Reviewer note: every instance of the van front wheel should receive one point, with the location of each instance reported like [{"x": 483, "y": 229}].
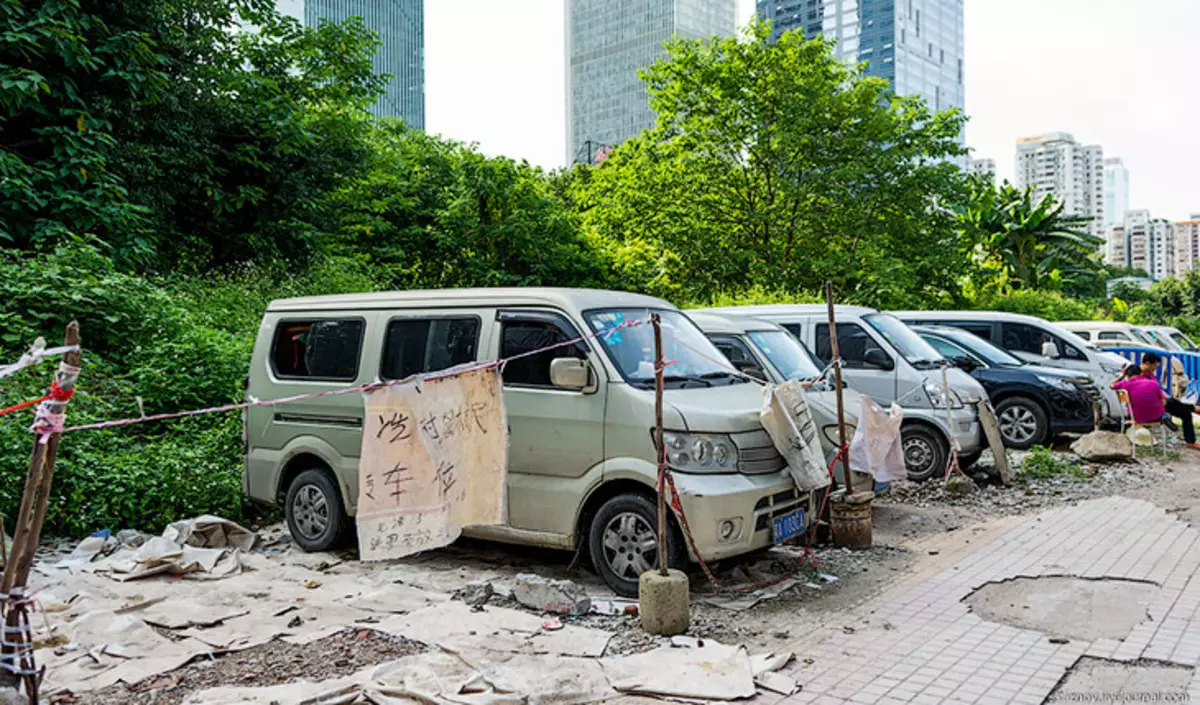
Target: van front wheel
[
  {"x": 925, "y": 452},
  {"x": 623, "y": 542},
  {"x": 315, "y": 515}
]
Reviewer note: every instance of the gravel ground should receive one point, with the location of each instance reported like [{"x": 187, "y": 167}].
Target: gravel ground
[{"x": 270, "y": 664}]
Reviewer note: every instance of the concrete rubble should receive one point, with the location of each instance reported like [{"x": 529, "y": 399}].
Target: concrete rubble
[
  {"x": 1102, "y": 446},
  {"x": 553, "y": 596}
]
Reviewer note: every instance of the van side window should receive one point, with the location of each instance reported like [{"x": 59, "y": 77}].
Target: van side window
[
  {"x": 325, "y": 349},
  {"x": 795, "y": 329},
  {"x": 981, "y": 329},
  {"x": 1028, "y": 339},
  {"x": 416, "y": 345},
  {"x": 1113, "y": 335},
  {"x": 853, "y": 344},
  {"x": 518, "y": 337}
]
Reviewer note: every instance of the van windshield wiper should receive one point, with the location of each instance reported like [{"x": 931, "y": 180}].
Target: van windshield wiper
[{"x": 648, "y": 382}]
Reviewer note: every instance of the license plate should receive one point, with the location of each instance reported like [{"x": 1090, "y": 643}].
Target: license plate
[{"x": 787, "y": 526}]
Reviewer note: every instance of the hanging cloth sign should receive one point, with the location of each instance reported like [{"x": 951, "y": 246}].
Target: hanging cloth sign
[
  {"x": 788, "y": 421},
  {"x": 434, "y": 459}
]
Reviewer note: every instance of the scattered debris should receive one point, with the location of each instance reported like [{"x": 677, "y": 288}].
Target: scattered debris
[
  {"x": 476, "y": 594},
  {"x": 709, "y": 672},
  {"x": 960, "y": 485},
  {"x": 548, "y": 595}
]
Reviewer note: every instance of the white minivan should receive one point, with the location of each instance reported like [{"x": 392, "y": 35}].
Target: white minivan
[
  {"x": 887, "y": 361},
  {"x": 1028, "y": 337}
]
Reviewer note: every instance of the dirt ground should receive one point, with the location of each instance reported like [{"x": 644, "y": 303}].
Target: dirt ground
[{"x": 914, "y": 526}]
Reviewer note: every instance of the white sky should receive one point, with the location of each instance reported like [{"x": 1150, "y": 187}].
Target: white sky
[{"x": 1124, "y": 74}]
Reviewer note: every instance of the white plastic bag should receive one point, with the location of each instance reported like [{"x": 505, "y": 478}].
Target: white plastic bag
[
  {"x": 876, "y": 447},
  {"x": 786, "y": 417}
]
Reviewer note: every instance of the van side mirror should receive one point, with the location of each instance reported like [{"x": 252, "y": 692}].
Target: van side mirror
[
  {"x": 747, "y": 367},
  {"x": 569, "y": 373},
  {"x": 878, "y": 358},
  {"x": 966, "y": 364}
]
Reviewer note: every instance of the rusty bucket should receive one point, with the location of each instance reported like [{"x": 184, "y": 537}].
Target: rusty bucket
[{"x": 850, "y": 518}]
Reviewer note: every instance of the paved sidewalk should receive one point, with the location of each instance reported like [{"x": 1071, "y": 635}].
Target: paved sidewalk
[{"x": 921, "y": 644}]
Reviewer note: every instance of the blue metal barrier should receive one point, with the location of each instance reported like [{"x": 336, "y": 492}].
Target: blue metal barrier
[{"x": 1190, "y": 361}]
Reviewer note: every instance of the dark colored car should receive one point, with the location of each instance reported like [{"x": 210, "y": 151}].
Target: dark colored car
[{"x": 1032, "y": 403}]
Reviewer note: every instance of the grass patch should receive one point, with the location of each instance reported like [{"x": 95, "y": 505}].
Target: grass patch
[
  {"x": 1159, "y": 453},
  {"x": 1044, "y": 464}
]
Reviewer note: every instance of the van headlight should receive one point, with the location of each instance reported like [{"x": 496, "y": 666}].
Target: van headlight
[
  {"x": 831, "y": 433},
  {"x": 700, "y": 453},
  {"x": 937, "y": 396},
  {"x": 1057, "y": 382}
]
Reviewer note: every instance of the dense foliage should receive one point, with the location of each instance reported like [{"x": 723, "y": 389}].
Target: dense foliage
[{"x": 163, "y": 177}]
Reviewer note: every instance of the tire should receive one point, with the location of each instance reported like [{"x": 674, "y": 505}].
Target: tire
[
  {"x": 966, "y": 460},
  {"x": 925, "y": 452},
  {"x": 1023, "y": 423},
  {"x": 316, "y": 516},
  {"x": 630, "y": 524}
]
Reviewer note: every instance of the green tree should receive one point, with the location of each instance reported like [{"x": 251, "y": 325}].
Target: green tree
[
  {"x": 774, "y": 163},
  {"x": 153, "y": 128},
  {"x": 1026, "y": 244}
]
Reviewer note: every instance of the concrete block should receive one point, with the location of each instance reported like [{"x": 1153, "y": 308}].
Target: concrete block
[{"x": 663, "y": 601}]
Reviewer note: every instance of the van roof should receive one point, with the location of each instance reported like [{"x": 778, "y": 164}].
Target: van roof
[
  {"x": 566, "y": 299},
  {"x": 780, "y": 310},
  {"x": 1097, "y": 325},
  {"x": 717, "y": 323},
  {"x": 968, "y": 316}
]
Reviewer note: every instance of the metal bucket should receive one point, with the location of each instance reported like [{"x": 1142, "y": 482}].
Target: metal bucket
[{"x": 850, "y": 518}]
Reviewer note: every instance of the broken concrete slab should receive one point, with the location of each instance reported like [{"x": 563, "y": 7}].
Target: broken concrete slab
[
  {"x": 709, "y": 672},
  {"x": 548, "y": 595},
  {"x": 459, "y": 627},
  {"x": 1066, "y": 607},
  {"x": 1102, "y": 446},
  {"x": 476, "y": 594}
]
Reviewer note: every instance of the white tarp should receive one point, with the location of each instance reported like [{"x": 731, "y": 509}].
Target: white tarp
[
  {"x": 788, "y": 421},
  {"x": 876, "y": 447},
  {"x": 434, "y": 459}
]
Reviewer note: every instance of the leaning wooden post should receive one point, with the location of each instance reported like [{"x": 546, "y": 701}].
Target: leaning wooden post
[
  {"x": 849, "y": 511},
  {"x": 662, "y": 593},
  {"x": 27, "y": 532}
]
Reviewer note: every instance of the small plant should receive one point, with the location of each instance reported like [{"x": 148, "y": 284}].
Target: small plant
[
  {"x": 1043, "y": 464},
  {"x": 1160, "y": 454}
]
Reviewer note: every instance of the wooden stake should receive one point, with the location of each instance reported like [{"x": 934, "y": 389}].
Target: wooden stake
[
  {"x": 658, "y": 437},
  {"x": 837, "y": 377},
  {"x": 28, "y": 529}
]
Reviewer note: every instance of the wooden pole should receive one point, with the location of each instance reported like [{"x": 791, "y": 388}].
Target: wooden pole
[
  {"x": 658, "y": 438},
  {"x": 28, "y": 529},
  {"x": 837, "y": 378}
]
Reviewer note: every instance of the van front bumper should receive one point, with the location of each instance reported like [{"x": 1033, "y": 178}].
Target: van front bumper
[
  {"x": 967, "y": 430},
  {"x": 749, "y": 502}
]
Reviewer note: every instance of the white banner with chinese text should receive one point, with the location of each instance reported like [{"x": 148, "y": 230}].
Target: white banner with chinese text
[{"x": 434, "y": 459}]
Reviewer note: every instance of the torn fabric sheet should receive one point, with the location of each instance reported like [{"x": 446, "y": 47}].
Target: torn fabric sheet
[
  {"x": 709, "y": 672},
  {"x": 434, "y": 459}
]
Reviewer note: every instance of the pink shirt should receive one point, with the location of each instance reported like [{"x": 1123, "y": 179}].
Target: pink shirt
[{"x": 1145, "y": 398}]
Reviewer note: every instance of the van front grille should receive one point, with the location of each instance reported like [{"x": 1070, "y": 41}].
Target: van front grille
[{"x": 756, "y": 453}]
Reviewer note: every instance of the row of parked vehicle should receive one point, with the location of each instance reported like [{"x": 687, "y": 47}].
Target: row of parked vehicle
[{"x": 582, "y": 460}]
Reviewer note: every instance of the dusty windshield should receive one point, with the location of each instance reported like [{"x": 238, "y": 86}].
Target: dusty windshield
[
  {"x": 785, "y": 353},
  {"x": 693, "y": 360},
  {"x": 911, "y": 346}
]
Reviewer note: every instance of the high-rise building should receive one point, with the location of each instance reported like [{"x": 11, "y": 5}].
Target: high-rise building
[
  {"x": 607, "y": 44},
  {"x": 1144, "y": 243},
  {"x": 917, "y": 45},
  {"x": 400, "y": 25},
  {"x": 1116, "y": 191},
  {"x": 1186, "y": 234},
  {"x": 982, "y": 167},
  {"x": 1057, "y": 165}
]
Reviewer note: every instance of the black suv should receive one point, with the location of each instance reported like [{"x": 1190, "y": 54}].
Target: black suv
[{"x": 1032, "y": 403}]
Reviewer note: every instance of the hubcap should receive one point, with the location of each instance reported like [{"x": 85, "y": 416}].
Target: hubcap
[
  {"x": 918, "y": 455},
  {"x": 630, "y": 545},
  {"x": 1018, "y": 425},
  {"x": 310, "y": 512}
]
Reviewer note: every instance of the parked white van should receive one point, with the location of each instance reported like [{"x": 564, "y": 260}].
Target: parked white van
[
  {"x": 887, "y": 361},
  {"x": 582, "y": 460},
  {"x": 1107, "y": 333},
  {"x": 1179, "y": 342},
  {"x": 1028, "y": 337}
]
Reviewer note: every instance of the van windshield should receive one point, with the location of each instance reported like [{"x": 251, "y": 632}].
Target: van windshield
[
  {"x": 911, "y": 346},
  {"x": 693, "y": 360},
  {"x": 786, "y": 353}
]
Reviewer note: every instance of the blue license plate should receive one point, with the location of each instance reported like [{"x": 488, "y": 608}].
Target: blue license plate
[{"x": 788, "y": 525}]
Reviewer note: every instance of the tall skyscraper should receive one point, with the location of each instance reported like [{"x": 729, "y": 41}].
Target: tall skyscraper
[
  {"x": 1116, "y": 191},
  {"x": 1145, "y": 243},
  {"x": 400, "y": 25},
  {"x": 1072, "y": 173},
  {"x": 915, "y": 44},
  {"x": 607, "y": 43}
]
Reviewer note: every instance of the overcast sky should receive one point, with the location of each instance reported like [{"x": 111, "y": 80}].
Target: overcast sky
[{"x": 1119, "y": 73}]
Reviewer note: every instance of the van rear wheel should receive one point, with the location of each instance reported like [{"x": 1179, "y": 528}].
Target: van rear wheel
[
  {"x": 316, "y": 517},
  {"x": 623, "y": 542}
]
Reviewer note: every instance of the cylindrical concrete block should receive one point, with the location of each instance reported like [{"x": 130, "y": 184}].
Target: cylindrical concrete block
[
  {"x": 663, "y": 602},
  {"x": 851, "y": 519}
]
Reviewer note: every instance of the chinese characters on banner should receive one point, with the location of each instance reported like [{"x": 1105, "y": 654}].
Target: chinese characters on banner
[
  {"x": 434, "y": 459},
  {"x": 788, "y": 421}
]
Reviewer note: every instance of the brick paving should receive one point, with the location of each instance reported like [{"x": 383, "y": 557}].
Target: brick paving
[{"x": 919, "y": 643}]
